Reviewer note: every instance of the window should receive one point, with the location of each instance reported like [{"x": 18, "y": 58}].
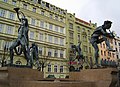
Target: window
[
  {"x": 13, "y": 2},
  {"x": 47, "y": 5},
  {"x": 61, "y": 53},
  {"x": 24, "y": 6},
  {"x": 103, "y": 45},
  {"x": 11, "y": 15},
  {"x": 1, "y": 27},
  {"x": 84, "y": 37},
  {"x": 78, "y": 37},
  {"x": 50, "y": 26},
  {"x": 85, "y": 48},
  {"x": 115, "y": 42},
  {"x": 40, "y": 50},
  {"x": 31, "y": 35},
  {"x": 42, "y": 12},
  {"x": 61, "y": 30},
  {"x": 70, "y": 34},
  {"x": 61, "y": 19},
  {"x": 43, "y": 4},
  {"x": 49, "y": 68},
  {"x": 34, "y": 9},
  {"x": 119, "y": 44},
  {"x": 56, "y": 53},
  {"x": 5, "y": 0},
  {"x": 56, "y": 9},
  {"x": 41, "y": 36},
  {"x": 56, "y": 40},
  {"x": 9, "y": 29},
  {"x": 113, "y": 55},
  {"x": 56, "y": 28},
  {"x": 35, "y": 1},
  {"x": 108, "y": 53},
  {"x": 55, "y": 68},
  {"x": 0, "y": 43},
  {"x": 49, "y": 52},
  {"x": 71, "y": 45},
  {"x": 33, "y": 21},
  {"x": 61, "y": 68},
  {"x": 90, "y": 50},
  {"x": 61, "y": 12},
  {"x": 61, "y": 41},
  {"x": 78, "y": 28},
  {"x": 39, "y": 1},
  {"x": 116, "y": 49},
  {"x": 56, "y": 18},
  {"x": 51, "y": 16},
  {"x": 104, "y": 53},
  {"x": 70, "y": 25},
  {"x": 101, "y": 52},
  {"x": 117, "y": 56},
  {"x": 89, "y": 32},
  {"x": 2, "y": 13},
  {"x": 42, "y": 24},
  {"x": 51, "y": 7},
  {"x": 50, "y": 39}
]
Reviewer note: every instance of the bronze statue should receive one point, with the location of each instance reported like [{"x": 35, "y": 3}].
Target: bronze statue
[
  {"x": 34, "y": 54},
  {"x": 78, "y": 50},
  {"x": 95, "y": 38},
  {"x": 22, "y": 40},
  {"x": 79, "y": 55}
]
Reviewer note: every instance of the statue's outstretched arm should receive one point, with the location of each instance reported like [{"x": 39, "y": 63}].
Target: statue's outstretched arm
[{"x": 18, "y": 16}]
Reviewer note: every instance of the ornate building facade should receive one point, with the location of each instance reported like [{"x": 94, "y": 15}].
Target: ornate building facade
[
  {"x": 51, "y": 28},
  {"x": 80, "y": 31},
  {"x": 108, "y": 58},
  {"x": 46, "y": 29}
]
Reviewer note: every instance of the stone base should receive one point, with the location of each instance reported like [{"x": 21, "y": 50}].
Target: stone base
[
  {"x": 13, "y": 73},
  {"x": 26, "y": 77},
  {"x": 106, "y": 77}
]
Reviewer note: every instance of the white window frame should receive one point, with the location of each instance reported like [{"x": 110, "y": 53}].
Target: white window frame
[
  {"x": 31, "y": 35},
  {"x": 1, "y": 27}
]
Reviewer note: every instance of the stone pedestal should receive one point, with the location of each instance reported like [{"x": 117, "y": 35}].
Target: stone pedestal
[
  {"x": 26, "y": 77},
  {"x": 106, "y": 77},
  {"x": 11, "y": 75}
]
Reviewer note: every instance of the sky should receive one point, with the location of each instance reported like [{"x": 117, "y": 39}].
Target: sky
[{"x": 95, "y": 10}]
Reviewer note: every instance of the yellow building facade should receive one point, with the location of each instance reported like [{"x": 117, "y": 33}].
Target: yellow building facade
[
  {"x": 46, "y": 29},
  {"x": 51, "y": 28},
  {"x": 80, "y": 31}
]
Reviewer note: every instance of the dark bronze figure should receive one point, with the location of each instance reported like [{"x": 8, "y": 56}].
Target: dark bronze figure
[
  {"x": 95, "y": 38},
  {"x": 34, "y": 53},
  {"x": 78, "y": 50},
  {"x": 79, "y": 55},
  {"x": 22, "y": 40}
]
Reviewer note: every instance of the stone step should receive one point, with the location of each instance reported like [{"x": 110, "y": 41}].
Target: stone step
[
  {"x": 50, "y": 84},
  {"x": 102, "y": 77}
]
